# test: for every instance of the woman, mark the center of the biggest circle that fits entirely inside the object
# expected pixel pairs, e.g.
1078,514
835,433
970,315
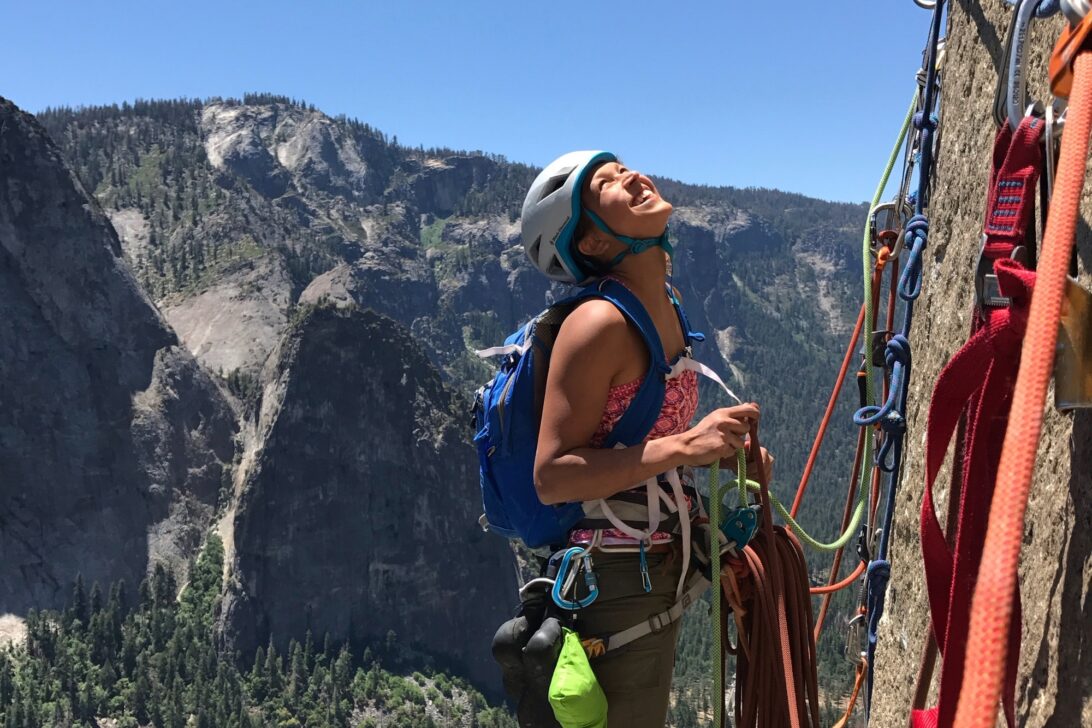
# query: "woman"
587,216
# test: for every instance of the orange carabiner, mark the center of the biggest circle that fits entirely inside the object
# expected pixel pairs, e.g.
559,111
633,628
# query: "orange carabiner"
1070,42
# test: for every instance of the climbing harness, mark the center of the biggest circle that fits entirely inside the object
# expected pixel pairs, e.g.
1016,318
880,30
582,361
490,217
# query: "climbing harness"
994,606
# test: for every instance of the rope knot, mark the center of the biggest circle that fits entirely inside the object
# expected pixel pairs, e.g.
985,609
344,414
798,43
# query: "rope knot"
923,121
917,229
879,573
897,351
918,225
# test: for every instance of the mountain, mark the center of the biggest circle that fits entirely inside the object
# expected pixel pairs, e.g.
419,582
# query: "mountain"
331,286
114,441
235,214
359,514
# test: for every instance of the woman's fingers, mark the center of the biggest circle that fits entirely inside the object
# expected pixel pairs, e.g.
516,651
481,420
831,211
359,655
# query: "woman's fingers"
748,412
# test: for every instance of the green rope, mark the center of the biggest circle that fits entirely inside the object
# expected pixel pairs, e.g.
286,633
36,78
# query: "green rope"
716,494
714,572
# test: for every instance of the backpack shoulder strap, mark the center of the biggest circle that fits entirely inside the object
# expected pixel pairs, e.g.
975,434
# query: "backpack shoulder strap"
687,360
689,334
644,409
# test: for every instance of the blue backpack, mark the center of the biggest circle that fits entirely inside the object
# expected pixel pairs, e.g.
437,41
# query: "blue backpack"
507,412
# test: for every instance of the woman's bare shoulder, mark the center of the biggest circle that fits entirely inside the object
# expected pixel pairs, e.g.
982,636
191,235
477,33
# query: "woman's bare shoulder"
595,322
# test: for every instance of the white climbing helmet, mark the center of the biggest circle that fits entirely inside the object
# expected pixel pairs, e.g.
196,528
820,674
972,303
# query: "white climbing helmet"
551,212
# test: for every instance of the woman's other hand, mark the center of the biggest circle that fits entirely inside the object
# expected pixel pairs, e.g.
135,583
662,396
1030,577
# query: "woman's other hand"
719,435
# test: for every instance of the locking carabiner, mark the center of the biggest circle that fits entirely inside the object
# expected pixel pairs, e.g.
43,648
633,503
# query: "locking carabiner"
566,578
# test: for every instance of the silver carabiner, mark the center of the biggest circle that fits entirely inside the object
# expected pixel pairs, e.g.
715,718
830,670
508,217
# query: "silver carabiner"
1009,98
855,644
889,217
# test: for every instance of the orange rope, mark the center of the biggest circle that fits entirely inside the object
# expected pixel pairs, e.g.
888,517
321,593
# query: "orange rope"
842,584
862,670
992,606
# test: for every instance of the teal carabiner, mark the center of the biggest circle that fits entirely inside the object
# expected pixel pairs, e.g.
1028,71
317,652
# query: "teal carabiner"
563,576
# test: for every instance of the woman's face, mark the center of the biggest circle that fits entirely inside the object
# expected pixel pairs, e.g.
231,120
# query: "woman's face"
627,201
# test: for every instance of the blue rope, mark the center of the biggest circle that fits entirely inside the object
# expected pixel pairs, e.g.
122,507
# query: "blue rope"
917,232
891,416
1045,9
879,573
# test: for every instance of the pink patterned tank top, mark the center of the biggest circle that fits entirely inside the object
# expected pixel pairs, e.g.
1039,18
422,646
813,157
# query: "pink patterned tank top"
680,404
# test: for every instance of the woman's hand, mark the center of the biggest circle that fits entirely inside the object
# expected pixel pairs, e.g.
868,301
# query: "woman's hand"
718,436
752,462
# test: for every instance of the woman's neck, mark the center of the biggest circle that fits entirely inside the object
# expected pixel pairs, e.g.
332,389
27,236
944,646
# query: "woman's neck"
644,274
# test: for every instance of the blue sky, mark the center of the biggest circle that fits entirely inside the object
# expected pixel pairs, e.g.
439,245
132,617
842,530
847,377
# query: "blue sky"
801,95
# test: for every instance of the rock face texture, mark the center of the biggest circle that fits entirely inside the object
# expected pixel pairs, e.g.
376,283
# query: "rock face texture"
1055,669
113,440
359,511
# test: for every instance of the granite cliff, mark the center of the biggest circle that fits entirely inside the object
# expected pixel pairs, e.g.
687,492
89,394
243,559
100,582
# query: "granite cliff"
114,441
358,515
1055,670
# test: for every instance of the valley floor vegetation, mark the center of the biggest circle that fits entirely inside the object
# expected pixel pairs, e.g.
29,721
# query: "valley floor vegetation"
103,662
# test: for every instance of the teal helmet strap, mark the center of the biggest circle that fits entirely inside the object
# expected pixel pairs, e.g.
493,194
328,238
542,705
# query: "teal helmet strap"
633,245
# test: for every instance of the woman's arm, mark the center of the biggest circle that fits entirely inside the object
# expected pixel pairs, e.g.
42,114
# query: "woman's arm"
593,347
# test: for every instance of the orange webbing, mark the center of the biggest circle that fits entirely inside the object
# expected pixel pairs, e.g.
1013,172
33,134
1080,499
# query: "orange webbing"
992,607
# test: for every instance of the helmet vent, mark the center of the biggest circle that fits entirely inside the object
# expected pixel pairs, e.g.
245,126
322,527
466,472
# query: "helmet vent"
556,269
554,184
532,251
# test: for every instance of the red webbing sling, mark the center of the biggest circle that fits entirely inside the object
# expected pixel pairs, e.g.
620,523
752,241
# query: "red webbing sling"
992,610
977,385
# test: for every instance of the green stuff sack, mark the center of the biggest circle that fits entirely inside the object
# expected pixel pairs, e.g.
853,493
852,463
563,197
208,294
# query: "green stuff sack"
575,695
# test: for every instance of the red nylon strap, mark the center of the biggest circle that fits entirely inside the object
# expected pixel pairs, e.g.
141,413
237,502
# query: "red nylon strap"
1017,159
1010,205
986,396
978,383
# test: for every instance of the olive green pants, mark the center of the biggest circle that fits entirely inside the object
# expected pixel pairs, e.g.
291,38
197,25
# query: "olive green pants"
636,678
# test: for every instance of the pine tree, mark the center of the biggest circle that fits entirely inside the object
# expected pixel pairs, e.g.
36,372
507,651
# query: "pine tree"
96,599
77,606
273,669
297,678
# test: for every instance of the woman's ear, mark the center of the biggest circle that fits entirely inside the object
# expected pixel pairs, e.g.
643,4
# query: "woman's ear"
593,245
